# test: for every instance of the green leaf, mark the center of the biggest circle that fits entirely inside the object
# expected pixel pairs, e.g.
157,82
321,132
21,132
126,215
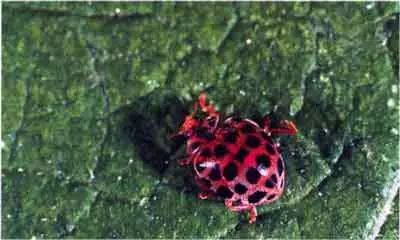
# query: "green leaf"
92,91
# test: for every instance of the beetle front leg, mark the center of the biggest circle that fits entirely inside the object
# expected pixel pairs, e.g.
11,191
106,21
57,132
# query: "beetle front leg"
207,108
285,127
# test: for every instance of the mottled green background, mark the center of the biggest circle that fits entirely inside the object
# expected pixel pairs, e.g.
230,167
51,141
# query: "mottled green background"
90,92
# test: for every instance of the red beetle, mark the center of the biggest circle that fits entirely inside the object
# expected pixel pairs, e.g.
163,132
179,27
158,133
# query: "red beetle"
235,159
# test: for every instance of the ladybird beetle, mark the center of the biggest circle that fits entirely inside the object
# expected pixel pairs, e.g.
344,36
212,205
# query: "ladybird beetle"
234,159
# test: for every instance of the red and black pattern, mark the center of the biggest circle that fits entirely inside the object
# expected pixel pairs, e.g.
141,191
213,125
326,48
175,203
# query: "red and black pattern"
237,160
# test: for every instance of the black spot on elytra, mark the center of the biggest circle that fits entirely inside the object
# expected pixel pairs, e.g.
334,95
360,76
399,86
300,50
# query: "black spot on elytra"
252,175
256,197
215,173
274,178
204,133
271,196
240,189
231,137
253,141
224,192
263,161
248,128
282,183
280,166
270,149
269,183
220,150
241,155
205,153
230,171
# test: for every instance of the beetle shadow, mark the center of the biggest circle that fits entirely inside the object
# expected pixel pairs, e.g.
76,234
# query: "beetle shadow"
147,123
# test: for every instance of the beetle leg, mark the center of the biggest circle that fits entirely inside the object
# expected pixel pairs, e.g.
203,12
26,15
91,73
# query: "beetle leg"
207,108
252,214
229,205
286,127
203,195
250,208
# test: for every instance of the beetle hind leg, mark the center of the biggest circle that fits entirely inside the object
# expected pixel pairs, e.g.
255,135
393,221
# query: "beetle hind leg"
252,214
250,208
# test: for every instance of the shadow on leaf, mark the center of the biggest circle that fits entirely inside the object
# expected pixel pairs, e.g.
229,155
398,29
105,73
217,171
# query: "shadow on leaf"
146,124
